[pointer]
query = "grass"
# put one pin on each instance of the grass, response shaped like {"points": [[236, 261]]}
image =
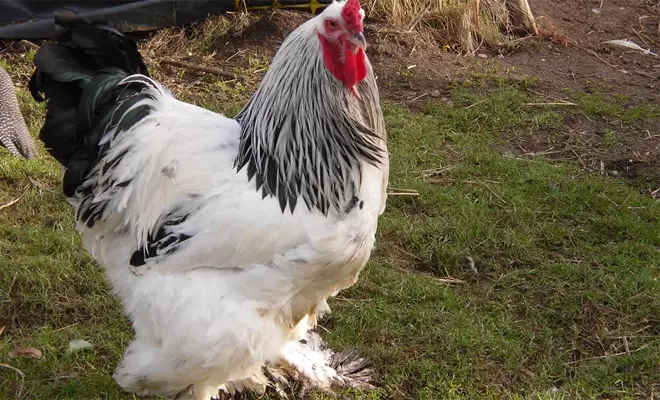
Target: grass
{"points": [[559, 265]]}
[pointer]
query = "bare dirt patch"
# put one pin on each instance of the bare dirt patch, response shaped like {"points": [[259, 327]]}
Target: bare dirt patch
{"points": [[587, 65], [586, 62]]}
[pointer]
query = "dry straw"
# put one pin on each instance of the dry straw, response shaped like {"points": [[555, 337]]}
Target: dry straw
{"points": [[468, 23]]}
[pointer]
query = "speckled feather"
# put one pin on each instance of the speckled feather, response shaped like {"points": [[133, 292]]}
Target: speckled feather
{"points": [[14, 134]]}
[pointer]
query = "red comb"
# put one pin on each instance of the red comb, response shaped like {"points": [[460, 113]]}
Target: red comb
{"points": [[352, 16]]}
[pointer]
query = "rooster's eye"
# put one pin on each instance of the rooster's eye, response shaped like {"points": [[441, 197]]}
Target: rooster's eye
{"points": [[332, 24]]}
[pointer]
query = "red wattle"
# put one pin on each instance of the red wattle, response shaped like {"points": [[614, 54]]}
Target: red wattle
{"points": [[361, 64], [352, 70], [350, 67]]}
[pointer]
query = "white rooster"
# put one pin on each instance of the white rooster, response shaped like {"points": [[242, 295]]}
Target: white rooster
{"points": [[222, 237]]}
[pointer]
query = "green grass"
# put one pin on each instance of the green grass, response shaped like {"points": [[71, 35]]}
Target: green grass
{"points": [[598, 105], [560, 267]]}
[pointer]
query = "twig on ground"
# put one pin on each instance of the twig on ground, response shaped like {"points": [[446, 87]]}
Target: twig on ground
{"points": [[542, 153], [235, 54], [563, 103], [65, 327], [450, 281], [429, 173], [402, 192], [446, 280], [616, 67], [579, 158], [19, 392], [407, 253], [642, 329], [464, 181], [639, 36], [11, 203], [549, 96], [646, 75], [199, 68], [623, 353], [474, 104], [419, 97]]}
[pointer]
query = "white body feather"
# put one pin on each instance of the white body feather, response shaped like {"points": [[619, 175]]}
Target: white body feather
{"points": [[230, 297], [629, 44]]}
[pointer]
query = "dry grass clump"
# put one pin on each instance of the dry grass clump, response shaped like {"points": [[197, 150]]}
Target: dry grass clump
{"points": [[196, 39], [463, 25], [466, 23], [170, 53]]}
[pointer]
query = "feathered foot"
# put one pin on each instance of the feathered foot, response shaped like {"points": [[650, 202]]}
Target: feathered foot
{"points": [[230, 391], [306, 365], [189, 394], [311, 365]]}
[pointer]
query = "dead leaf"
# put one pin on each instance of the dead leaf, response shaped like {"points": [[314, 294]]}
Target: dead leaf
{"points": [[25, 352], [2, 329], [79, 344]]}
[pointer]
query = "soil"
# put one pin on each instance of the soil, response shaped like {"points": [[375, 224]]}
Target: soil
{"points": [[586, 24]]}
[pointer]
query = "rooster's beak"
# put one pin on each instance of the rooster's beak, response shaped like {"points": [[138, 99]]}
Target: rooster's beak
{"points": [[358, 41]]}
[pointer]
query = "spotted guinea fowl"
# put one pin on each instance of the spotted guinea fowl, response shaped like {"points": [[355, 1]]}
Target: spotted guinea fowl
{"points": [[14, 134], [223, 237]]}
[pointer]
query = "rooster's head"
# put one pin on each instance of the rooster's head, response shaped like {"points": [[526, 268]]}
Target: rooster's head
{"points": [[339, 28]]}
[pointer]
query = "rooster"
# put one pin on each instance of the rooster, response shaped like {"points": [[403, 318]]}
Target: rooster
{"points": [[222, 237]]}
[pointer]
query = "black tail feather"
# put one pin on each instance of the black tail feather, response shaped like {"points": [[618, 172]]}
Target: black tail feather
{"points": [[78, 75]]}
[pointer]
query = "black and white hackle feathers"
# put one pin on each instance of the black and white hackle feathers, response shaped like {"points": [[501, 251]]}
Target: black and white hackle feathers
{"points": [[14, 134], [272, 147], [223, 238]]}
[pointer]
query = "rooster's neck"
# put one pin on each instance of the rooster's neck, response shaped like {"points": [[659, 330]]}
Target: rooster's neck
{"points": [[302, 135]]}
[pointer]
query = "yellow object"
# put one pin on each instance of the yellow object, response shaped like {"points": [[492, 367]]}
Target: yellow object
{"points": [[312, 5]]}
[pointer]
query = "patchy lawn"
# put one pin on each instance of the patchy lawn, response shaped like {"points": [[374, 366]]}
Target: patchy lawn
{"points": [[527, 267], [554, 269]]}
